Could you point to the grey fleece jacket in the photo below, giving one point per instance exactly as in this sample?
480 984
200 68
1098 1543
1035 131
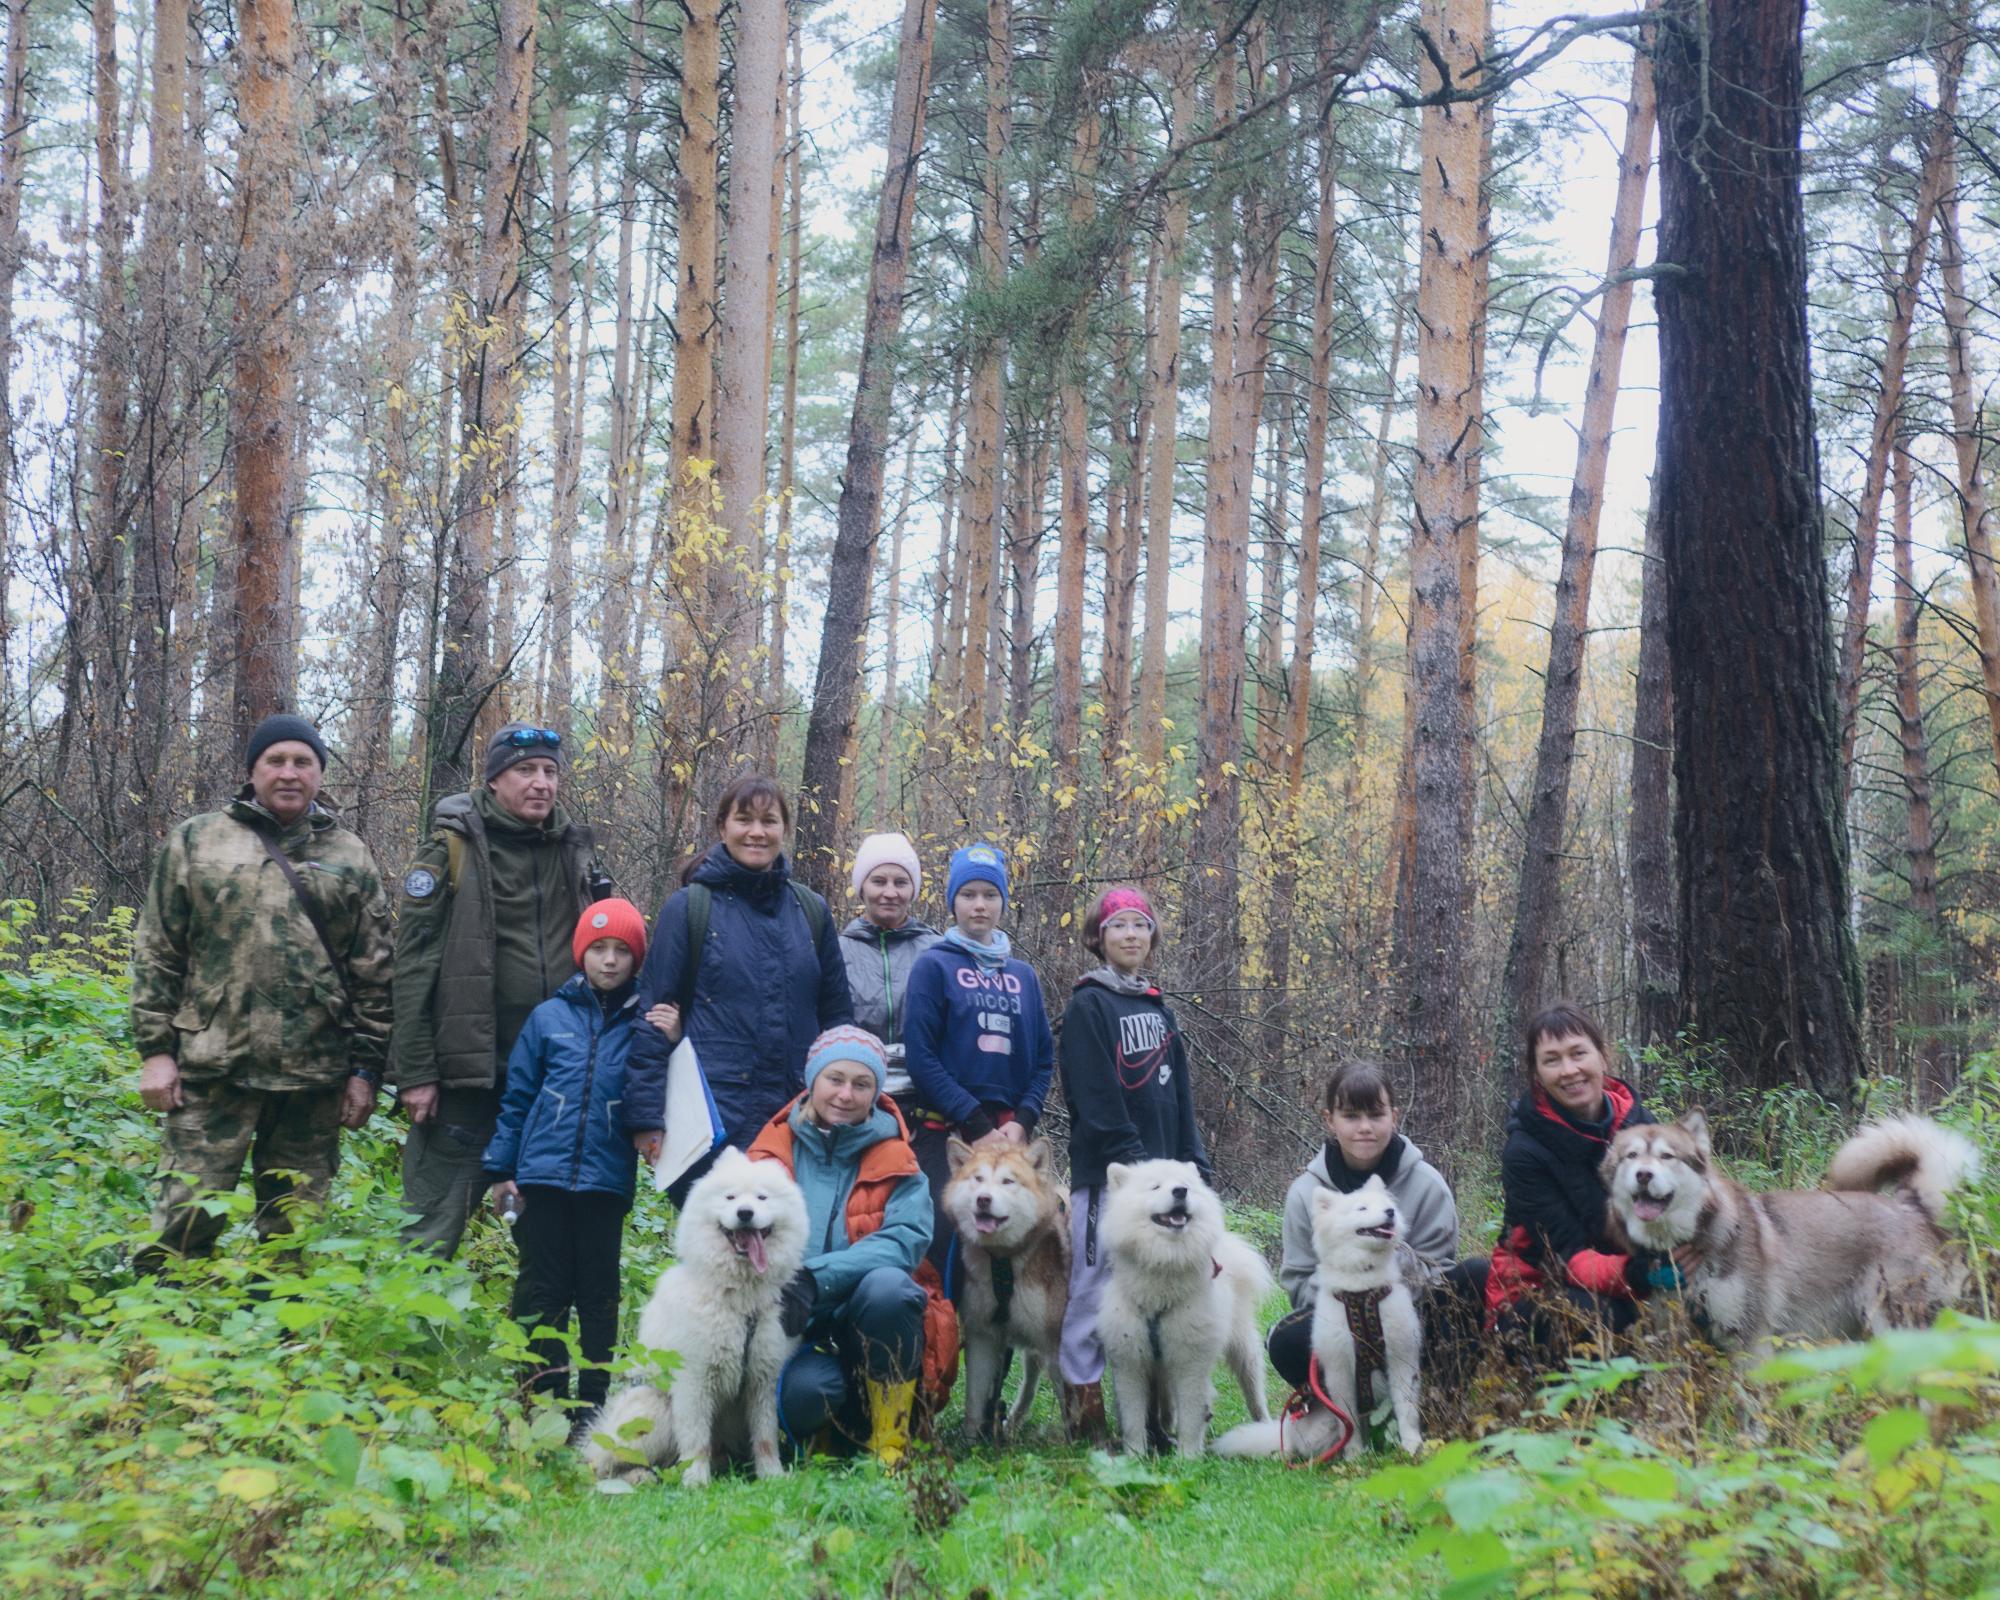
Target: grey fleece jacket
878 980
1430 1218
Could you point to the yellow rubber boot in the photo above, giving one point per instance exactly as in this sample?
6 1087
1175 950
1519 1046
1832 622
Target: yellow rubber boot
889 1408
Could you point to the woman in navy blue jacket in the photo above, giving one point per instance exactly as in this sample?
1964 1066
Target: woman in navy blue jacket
768 979
975 1031
560 1164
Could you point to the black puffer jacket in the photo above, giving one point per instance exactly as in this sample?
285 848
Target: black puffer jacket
1554 1199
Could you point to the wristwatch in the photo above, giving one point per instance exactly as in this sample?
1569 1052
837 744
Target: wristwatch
367 1075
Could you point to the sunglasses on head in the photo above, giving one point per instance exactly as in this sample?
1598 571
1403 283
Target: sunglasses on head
528 738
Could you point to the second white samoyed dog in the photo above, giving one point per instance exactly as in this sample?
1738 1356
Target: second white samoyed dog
741 1238
1183 1295
1365 1331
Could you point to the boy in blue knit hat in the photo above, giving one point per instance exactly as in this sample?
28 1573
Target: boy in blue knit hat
975 1030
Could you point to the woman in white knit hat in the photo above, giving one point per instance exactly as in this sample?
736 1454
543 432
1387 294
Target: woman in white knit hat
883 943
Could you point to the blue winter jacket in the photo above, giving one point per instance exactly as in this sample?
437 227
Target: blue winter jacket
562 1119
975 1038
763 992
824 1163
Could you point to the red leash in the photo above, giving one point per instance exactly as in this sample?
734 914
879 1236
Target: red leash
1298 1403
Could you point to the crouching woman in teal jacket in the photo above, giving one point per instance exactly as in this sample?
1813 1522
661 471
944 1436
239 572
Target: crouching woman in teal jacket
856 1301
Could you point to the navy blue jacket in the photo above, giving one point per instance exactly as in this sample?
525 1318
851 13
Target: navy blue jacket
562 1119
763 992
976 1038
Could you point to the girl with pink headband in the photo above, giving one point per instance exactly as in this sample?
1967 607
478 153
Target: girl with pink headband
1125 1079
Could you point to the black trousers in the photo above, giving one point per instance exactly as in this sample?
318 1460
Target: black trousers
1452 1310
934 1162
569 1244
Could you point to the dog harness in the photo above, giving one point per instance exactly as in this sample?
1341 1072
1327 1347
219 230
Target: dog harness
1364 1324
1003 1288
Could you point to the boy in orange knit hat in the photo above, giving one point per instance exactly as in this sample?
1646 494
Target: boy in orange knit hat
561 1169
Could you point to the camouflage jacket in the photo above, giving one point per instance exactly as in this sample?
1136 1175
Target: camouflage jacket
229 976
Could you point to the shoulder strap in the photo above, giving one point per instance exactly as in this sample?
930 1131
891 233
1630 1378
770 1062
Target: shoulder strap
311 910
696 908
813 907
454 858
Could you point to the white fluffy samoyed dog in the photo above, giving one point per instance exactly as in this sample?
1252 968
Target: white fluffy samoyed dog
742 1236
1183 1295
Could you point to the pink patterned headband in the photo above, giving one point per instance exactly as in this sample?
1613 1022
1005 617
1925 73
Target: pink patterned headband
1127 900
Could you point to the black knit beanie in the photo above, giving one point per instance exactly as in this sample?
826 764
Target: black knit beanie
276 729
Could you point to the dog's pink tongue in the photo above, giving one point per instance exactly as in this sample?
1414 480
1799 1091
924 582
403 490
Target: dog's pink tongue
1649 1210
753 1247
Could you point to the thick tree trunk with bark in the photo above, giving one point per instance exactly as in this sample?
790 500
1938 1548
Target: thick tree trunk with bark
617 691
465 680
1768 970
1889 406
568 429
1649 833
261 391
788 423
1450 322
837 680
1535 905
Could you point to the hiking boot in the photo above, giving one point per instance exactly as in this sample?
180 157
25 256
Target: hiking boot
1083 1413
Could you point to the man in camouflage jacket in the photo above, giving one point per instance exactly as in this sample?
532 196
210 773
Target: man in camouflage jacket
253 1040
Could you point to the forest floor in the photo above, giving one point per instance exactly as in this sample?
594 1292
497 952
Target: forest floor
347 1422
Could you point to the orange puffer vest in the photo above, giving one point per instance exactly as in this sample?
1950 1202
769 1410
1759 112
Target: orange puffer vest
882 1167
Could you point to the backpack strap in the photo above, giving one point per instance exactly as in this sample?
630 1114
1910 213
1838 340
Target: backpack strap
813 907
454 858
696 906
696 909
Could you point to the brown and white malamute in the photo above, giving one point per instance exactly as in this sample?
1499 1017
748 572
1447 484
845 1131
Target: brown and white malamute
1842 1262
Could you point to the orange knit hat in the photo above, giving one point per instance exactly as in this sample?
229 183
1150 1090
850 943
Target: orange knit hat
610 919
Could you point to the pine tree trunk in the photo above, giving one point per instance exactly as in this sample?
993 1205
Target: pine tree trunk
1768 970
567 430
1888 407
159 443
891 628
1535 906
1271 685
858 519
101 602
491 387
742 410
1312 528
788 426
1211 909
1073 552
1926 1007
1449 326
944 593
1649 833
617 693
1163 363
987 422
1966 440
1124 494
695 202
263 383
1369 579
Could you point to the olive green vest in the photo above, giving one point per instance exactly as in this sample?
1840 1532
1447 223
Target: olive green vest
463 1016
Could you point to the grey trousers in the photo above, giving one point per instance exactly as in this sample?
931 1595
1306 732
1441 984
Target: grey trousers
1081 1354
443 1171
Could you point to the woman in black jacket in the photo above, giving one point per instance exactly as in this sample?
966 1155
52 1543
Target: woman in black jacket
1125 1080
1553 1245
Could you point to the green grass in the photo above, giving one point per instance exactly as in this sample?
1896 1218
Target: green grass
1033 1524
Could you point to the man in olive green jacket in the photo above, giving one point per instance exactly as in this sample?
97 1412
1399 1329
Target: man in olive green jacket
260 994
489 907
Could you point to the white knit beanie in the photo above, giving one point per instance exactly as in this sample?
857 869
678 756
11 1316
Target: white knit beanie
887 849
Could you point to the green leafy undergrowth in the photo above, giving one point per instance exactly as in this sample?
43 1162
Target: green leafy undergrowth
203 1431
1857 1469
